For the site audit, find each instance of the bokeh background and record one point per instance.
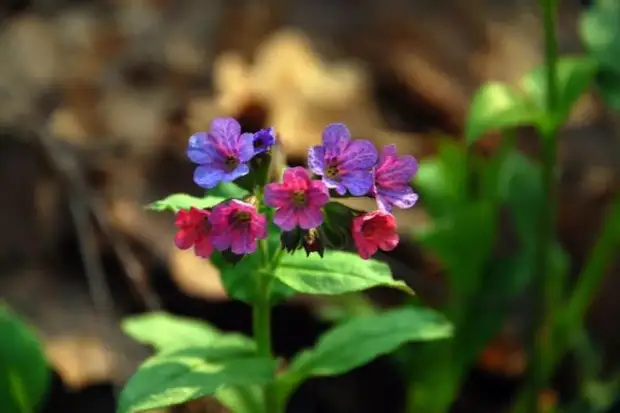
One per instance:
(98, 98)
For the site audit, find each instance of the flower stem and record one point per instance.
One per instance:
(547, 284)
(261, 320)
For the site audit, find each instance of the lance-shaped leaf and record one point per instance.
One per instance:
(172, 378)
(336, 273)
(362, 339)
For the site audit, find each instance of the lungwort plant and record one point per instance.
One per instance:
(272, 240)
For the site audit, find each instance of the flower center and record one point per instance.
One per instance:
(231, 163)
(331, 171)
(369, 228)
(299, 198)
(240, 219)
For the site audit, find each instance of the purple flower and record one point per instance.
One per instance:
(264, 139)
(344, 163)
(392, 176)
(221, 153)
(298, 198)
(237, 225)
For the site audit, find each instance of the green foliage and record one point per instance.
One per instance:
(166, 332)
(337, 273)
(362, 339)
(175, 377)
(442, 181)
(574, 75)
(24, 372)
(241, 279)
(600, 30)
(169, 333)
(498, 106)
(176, 202)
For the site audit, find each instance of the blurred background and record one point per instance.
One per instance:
(98, 98)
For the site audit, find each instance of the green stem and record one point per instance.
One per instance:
(261, 320)
(547, 284)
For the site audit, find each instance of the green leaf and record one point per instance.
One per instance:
(24, 372)
(241, 280)
(441, 180)
(574, 75)
(246, 399)
(167, 332)
(498, 106)
(337, 273)
(176, 202)
(177, 377)
(450, 240)
(362, 339)
(600, 30)
(228, 190)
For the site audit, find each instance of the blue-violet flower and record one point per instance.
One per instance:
(392, 175)
(344, 163)
(221, 153)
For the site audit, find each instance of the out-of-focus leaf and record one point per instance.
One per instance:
(497, 106)
(441, 180)
(574, 75)
(24, 372)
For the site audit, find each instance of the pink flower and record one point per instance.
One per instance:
(373, 231)
(298, 198)
(237, 225)
(194, 230)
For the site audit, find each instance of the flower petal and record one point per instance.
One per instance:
(309, 218)
(238, 172)
(285, 218)
(225, 132)
(359, 154)
(316, 159)
(221, 240)
(185, 238)
(242, 243)
(203, 247)
(276, 195)
(296, 177)
(396, 170)
(207, 177)
(335, 139)
(200, 149)
(357, 182)
(318, 194)
(245, 147)
(259, 226)
(389, 243)
(402, 197)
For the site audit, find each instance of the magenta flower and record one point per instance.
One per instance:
(392, 177)
(344, 163)
(237, 225)
(221, 153)
(298, 198)
(374, 231)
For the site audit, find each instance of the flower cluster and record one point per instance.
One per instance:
(340, 164)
